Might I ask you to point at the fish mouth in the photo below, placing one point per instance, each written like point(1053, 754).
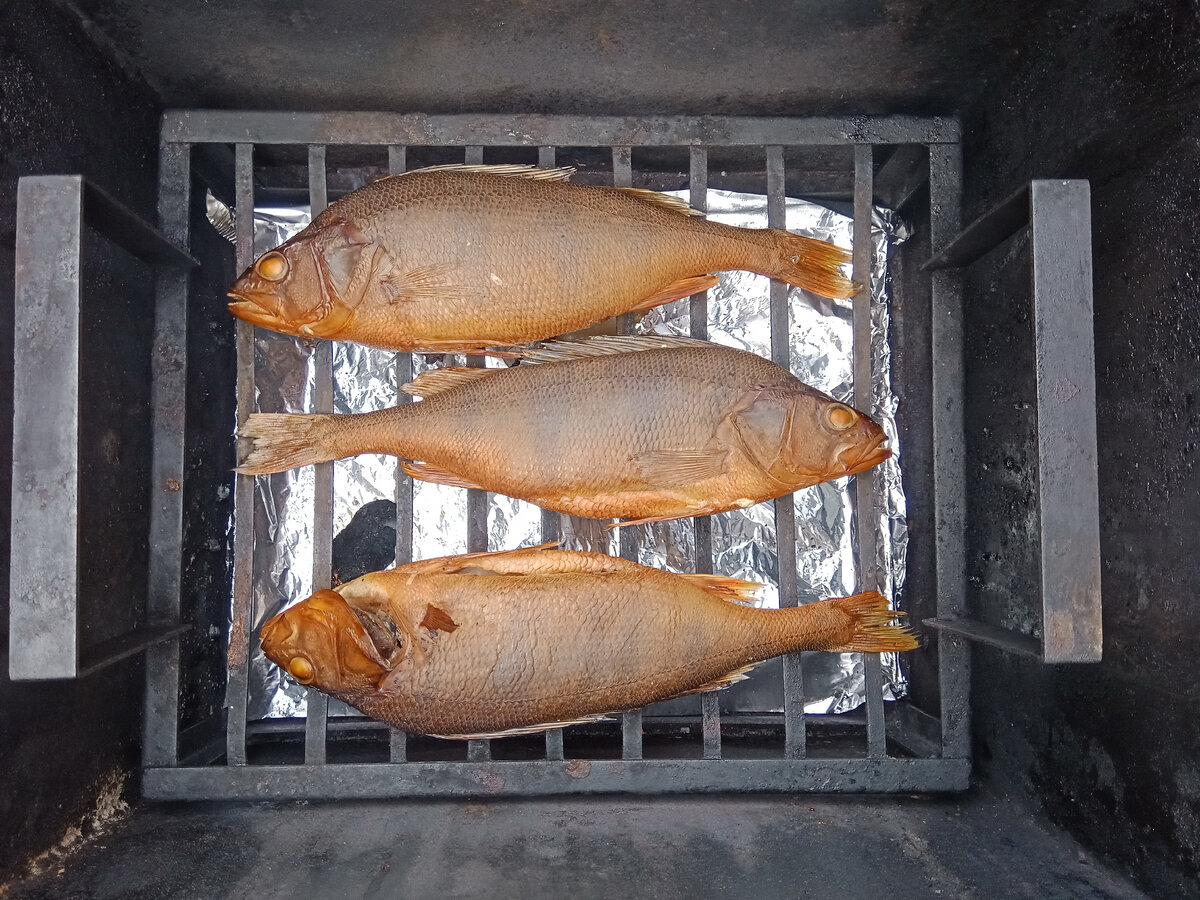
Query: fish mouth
point(249, 311)
point(872, 454)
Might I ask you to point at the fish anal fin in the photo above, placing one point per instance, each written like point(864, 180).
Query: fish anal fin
point(686, 512)
point(666, 201)
point(734, 589)
point(605, 345)
point(472, 348)
point(719, 684)
point(673, 467)
point(677, 290)
point(437, 619)
point(425, 472)
point(437, 380)
point(511, 170)
point(528, 729)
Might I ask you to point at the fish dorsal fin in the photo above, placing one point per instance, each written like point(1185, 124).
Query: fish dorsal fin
point(529, 729)
point(437, 380)
point(606, 345)
point(539, 560)
point(666, 201)
point(719, 684)
point(734, 589)
point(510, 170)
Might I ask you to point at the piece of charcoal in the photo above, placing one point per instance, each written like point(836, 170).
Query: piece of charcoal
point(367, 543)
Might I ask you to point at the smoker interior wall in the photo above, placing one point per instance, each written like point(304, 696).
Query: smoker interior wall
point(1109, 751)
point(67, 109)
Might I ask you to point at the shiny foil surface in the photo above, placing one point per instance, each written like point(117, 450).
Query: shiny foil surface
point(743, 541)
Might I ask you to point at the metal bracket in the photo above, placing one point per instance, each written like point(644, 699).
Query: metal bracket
point(1059, 213)
point(44, 640)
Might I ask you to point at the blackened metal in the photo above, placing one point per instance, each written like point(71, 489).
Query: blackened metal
point(992, 228)
point(318, 703)
point(418, 129)
point(168, 396)
point(949, 461)
point(92, 659)
point(243, 491)
point(864, 483)
point(380, 781)
point(1068, 492)
point(127, 229)
point(901, 176)
point(785, 509)
point(995, 635)
point(474, 155)
point(917, 732)
point(398, 740)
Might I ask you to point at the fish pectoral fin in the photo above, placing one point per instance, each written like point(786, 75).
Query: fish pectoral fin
point(677, 290)
point(605, 345)
point(734, 589)
point(665, 201)
point(719, 684)
point(394, 680)
point(673, 467)
point(434, 475)
point(528, 729)
point(437, 619)
point(427, 283)
point(511, 170)
point(437, 380)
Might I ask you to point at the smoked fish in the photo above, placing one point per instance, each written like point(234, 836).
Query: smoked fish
point(489, 644)
point(459, 258)
point(646, 428)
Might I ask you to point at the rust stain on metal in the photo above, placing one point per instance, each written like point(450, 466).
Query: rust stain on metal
point(579, 768)
point(237, 644)
point(493, 782)
point(173, 484)
point(1064, 390)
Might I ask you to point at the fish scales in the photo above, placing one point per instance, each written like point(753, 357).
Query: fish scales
point(544, 636)
point(686, 429)
point(462, 258)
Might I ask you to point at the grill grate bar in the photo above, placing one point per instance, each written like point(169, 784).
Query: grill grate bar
point(161, 734)
point(243, 497)
point(631, 722)
point(550, 519)
point(864, 483)
point(318, 703)
point(477, 504)
point(785, 509)
point(710, 702)
point(398, 740)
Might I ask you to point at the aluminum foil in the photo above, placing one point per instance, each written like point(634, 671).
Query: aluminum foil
point(744, 541)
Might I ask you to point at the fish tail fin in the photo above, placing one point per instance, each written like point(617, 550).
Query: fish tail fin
point(811, 264)
point(282, 441)
point(862, 623)
point(872, 630)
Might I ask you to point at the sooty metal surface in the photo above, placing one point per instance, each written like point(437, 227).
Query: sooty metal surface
point(908, 750)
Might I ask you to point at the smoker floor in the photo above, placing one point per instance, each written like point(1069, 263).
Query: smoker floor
point(799, 846)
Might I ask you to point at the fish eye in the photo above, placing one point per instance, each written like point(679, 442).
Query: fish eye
point(272, 266)
point(840, 417)
point(301, 669)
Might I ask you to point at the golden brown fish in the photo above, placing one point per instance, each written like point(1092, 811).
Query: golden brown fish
point(646, 427)
point(524, 640)
point(453, 258)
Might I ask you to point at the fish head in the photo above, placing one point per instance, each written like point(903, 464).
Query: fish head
point(801, 436)
point(309, 286)
point(321, 642)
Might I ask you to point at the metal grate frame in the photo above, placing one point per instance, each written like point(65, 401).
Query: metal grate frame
point(932, 753)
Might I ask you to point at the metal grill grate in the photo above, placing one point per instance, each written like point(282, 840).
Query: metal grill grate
point(925, 753)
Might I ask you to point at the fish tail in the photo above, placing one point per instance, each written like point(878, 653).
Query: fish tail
point(281, 441)
point(861, 623)
point(811, 264)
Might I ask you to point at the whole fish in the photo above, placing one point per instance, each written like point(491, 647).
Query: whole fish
point(456, 258)
point(649, 428)
point(488, 644)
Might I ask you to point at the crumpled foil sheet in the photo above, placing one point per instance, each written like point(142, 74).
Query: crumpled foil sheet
point(744, 541)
